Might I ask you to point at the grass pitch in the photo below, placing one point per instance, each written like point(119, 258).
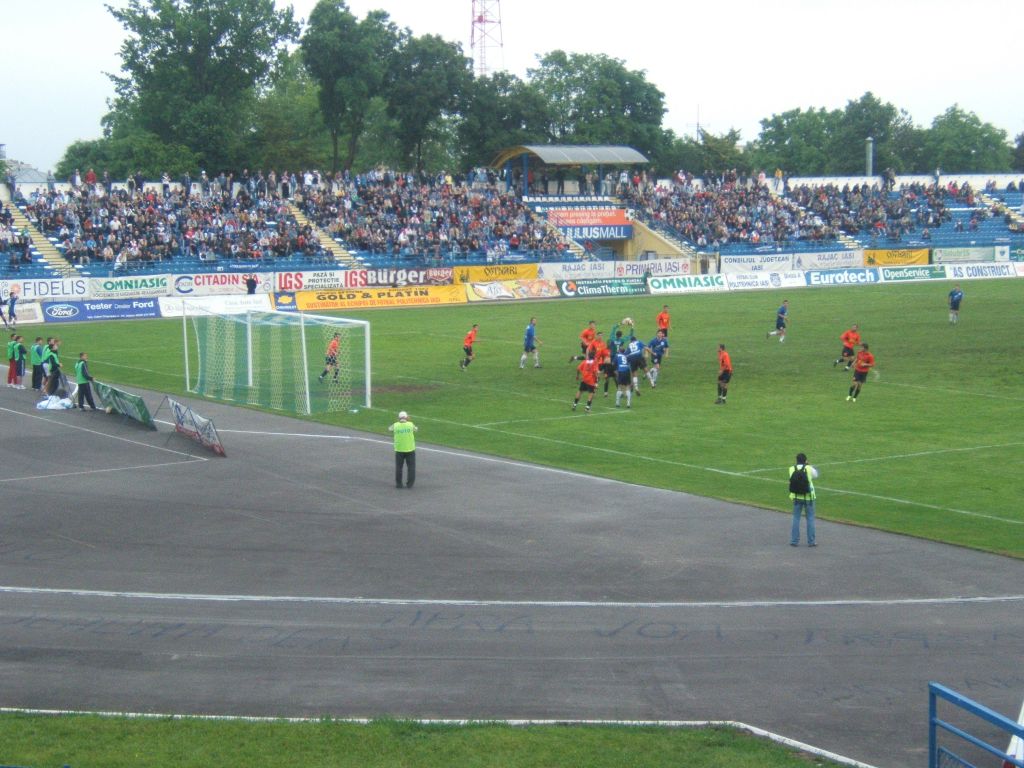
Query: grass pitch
point(932, 448)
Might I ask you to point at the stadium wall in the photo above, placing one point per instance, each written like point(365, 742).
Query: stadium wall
point(156, 296)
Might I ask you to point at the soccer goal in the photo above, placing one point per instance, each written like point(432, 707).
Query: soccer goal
point(277, 359)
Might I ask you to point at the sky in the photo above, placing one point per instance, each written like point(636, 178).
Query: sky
point(721, 64)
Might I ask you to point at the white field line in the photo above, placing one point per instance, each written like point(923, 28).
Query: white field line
point(102, 434)
point(915, 454)
point(574, 415)
point(441, 602)
point(518, 723)
point(970, 393)
point(629, 455)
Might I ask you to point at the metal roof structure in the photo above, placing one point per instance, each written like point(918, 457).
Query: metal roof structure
point(570, 154)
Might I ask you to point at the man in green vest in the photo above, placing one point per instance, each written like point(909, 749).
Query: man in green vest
point(801, 493)
point(52, 362)
point(405, 449)
point(83, 379)
point(36, 358)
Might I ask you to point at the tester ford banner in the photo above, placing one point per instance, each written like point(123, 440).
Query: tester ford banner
point(113, 309)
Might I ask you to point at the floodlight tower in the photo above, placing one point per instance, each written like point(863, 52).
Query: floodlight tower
point(485, 33)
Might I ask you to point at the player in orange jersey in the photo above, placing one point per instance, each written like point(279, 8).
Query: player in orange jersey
point(331, 357)
point(586, 375)
point(865, 362)
point(850, 339)
point(467, 346)
point(724, 374)
point(663, 320)
point(586, 339)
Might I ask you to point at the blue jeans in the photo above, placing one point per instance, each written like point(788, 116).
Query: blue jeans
point(799, 507)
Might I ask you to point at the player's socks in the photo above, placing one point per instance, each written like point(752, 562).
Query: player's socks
point(574, 404)
point(522, 361)
point(618, 398)
point(629, 399)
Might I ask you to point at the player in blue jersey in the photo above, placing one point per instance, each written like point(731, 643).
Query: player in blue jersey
point(781, 320)
point(636, 352)
point(622, 379)
point(531, 344)
point(955, 297)
point(658, 349)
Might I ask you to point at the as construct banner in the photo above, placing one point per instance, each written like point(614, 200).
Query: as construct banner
point(979, 271)
point(876, 257)
point(369, 298)
point(505, 290)
point(116, 400)
point(483, 274)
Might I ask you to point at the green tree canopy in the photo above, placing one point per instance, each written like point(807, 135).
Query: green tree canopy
point(191, 67)
point(428, 79)
point(594, 99)
point(959, 142)
point(349, 60)
point(500, 111)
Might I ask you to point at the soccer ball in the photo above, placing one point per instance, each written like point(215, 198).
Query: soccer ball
point(627, 321)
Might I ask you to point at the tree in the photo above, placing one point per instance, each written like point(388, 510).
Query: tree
point(958, 142)
point(428, 78)
point(349, 61)
point(867, 117)
point(1018, 154)
point(796, 141)
point(594, 99)
point(285, 130)
point(499, 111)
point(191, 68)
point(131, 151)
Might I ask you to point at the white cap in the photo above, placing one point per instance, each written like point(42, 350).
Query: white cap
point(402, 415)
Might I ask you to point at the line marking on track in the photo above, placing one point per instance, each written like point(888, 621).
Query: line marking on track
point(100, 471)
point(383, 601)
point(893, 456)
point(104, 434)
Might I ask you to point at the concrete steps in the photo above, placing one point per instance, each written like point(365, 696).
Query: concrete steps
point(53, 257)
point(332, 246)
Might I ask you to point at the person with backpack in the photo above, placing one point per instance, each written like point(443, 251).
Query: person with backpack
point(801, 492)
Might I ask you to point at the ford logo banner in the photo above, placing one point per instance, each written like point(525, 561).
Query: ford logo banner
point(61, 311)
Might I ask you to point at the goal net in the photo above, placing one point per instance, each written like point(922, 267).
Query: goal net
point(286, 361)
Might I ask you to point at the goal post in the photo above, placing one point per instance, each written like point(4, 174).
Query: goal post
point(279, 360)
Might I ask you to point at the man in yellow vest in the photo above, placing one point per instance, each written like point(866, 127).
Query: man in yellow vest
point(405, 449)
point(801, 493)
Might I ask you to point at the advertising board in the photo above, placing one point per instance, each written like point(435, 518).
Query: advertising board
point(823, 260)
point(219, 283)
point(100, 309)
point(877, 257)
point(687, 284)
point(622, 286)
point(125, 287)
point(756, 262)
point(369, 298)
point(979, 271)
point(507, 290)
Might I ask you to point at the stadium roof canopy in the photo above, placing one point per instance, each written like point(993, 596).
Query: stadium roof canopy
point(570, 154)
